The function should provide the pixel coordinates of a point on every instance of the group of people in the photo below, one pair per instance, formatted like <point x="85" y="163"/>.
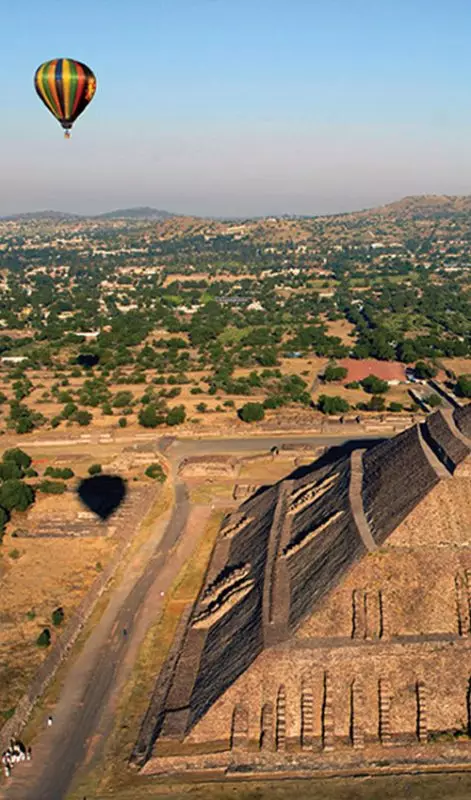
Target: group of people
<point x="15" y="753"/>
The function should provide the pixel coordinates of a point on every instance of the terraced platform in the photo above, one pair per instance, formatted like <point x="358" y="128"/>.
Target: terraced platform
<point x="334" y="617"/>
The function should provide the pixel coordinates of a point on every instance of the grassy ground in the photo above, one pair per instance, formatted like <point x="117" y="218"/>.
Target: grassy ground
<point x="395" y="787"/>
<point x="113" y="772"/>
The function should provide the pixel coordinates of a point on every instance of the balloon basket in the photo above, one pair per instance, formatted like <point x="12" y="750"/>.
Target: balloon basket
<point x="67" y="135"/>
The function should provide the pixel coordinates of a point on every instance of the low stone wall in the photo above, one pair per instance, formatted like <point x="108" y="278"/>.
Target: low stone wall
<point x="57" y="654"/>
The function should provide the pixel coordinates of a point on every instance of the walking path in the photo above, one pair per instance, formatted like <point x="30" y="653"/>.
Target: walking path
<point x="61" y="748"/>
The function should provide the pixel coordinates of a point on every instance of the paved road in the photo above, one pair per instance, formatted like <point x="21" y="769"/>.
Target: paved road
<point x="62" y="748"/>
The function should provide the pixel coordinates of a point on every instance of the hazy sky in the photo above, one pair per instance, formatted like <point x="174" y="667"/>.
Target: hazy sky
<point x="239" y="106"/>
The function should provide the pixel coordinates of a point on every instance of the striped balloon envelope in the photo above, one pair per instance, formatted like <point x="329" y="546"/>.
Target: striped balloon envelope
<point x="66" y="87"/>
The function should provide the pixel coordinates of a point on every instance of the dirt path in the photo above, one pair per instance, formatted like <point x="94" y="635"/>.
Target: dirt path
<point x="60" y="749"/>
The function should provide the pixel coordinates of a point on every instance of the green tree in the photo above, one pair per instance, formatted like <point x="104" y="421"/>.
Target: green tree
<point x="374" y="385"/>
<point x="434" y="400"/>
<point x="252" y="412"/>
<point x="83" y="417"/>
<point x="156" y="472"/>
<point x="176" y="416"/>
<point x="18" y="456"/>
<point x="329" y="404"/>
<point x="15" y="494"/>
<point x="334" y="373"/>
<point x="424" y="371"/>
<point x="94" y="469"/>
<point x="149" y="417"/>
<point x="463" y="386"/>
<point x="122" y="422"/>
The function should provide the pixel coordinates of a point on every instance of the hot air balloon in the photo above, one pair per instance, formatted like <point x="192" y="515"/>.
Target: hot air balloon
<point x="66" y="87"/>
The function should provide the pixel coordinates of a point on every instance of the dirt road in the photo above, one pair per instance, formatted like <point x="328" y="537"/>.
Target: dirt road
<point x="61" y="748"/>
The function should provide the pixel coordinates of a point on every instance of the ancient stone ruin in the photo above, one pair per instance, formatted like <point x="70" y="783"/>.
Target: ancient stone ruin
<point x="334" y="621"/>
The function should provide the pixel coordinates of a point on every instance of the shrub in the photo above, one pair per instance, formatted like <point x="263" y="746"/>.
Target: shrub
<point x="57" y="472"/>
<point x="353" y="385"/>
<point x="51" y="487"/>
<point x="156" y="472"/>
<point x="252" y="412"/>
<point x="202" y="407"/>
<point x="434" y="400"/>
<point x="58" y="616"/>
<point x="94" y="469"/>
<point x="14" y="554"/>
<point x="395" y="407"/>
<point x="122" y="422"/>
<point x="44" y="638"/>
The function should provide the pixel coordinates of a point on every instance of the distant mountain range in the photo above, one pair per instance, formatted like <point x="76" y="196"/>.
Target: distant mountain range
<point x="141" y="212"/>
<point x="409" y="208"/>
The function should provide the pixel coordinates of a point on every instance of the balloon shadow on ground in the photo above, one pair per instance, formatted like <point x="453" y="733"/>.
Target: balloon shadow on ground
<point x="87" y="360"/>
<point x="102" y="494"/>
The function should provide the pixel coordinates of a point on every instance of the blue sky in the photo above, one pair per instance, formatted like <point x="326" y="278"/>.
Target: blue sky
<point x="239" y="106"/>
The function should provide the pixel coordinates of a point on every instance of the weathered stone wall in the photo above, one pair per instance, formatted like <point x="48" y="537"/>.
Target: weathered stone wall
<point x="448" y="448"/>
<point x="396" y="476"/>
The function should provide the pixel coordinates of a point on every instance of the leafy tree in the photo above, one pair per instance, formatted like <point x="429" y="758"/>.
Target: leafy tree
<point x="176" y="416"/>
<point x="424" y="371"/>
<point x="156" y="472"/>
<point x="202" y="407"/>
<point x="94" y="469"/>
<point x="377" y="403"/>
<point x="334" y="373"/>
<point x="374" y="385"/>
<point x="9" y="470"/>
<point x="14" y="494"/>
<point x="434" y="400"/>
<point x="122" y="399"/>
<point x="252" y="412"/>
<point x="18" y="456"/>
<point x="69" y="410"/>
<point x="83" y="417"/>
<point x="149" y="417"/>
<point x="463" y="386"/>
<point x="332" y="404"/>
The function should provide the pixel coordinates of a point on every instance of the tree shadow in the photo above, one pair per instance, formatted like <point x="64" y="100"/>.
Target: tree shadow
<point x="102" y="494"/>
